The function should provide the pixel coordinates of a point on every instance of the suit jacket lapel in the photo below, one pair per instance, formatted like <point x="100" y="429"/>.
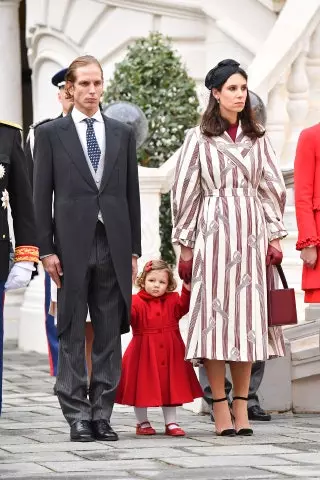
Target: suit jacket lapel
<point x="71" y="142"/>
<point x="112" y="148"/>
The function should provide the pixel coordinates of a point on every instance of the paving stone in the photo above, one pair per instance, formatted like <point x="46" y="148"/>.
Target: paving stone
<point x="311" y="458"/>
<point x="297" y="471"/>
<point x="231" y="460"/>
<point x="17" y="440"/>
<point x="99" y="475"/>
<point x="219" y="473"/>
<point x="35" y="424"/>
<point x="240" y="450"/>
<point x="21" y="468"/>
<point x="254" y="440"/>
<point x="154" y="452"/>
<point x="52" y="437"/>
<point x="37" y="457"/>
<point x="85" y="466"/>
<point x="56" y="447"/>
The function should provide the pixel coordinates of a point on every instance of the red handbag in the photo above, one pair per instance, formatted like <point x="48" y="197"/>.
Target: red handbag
<point x="281" y="302"/>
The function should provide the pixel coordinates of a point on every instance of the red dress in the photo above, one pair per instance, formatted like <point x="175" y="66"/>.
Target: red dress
<point x="307" y="203"/>
<point x="154" y="372"/>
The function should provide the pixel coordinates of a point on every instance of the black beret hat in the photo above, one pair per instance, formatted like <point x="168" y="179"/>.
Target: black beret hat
<point x="58" y="79"/>
<point x="220" y="73"/>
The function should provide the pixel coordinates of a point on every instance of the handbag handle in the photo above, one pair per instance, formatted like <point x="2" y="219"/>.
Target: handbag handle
<point x="281" y="275"/>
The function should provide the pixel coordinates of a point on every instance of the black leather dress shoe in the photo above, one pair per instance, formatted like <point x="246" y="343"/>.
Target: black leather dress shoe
<point x="102" y="431"/>
<point x="257" y="413"/>
<point x="81" y="431"/>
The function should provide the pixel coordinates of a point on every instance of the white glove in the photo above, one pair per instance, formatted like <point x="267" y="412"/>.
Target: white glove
<point x="54" y="291"/>
<point x="19" y="276"/>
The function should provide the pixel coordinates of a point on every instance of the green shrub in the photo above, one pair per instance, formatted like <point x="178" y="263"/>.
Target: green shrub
<point x="153" y="77"/>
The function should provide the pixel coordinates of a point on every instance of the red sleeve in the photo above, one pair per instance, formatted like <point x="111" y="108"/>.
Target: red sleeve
<point x="304" y="176"/>
<point x="183" y="303"/>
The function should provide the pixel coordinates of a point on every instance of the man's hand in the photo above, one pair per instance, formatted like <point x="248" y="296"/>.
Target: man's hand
<point x="134" y="269"/>
<point x="19" y="276"/>
<point x="52" y="265"/>
<point x="309" y="256"/>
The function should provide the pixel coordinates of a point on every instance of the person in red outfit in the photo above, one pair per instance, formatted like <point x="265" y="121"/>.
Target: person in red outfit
<point x="307" y="203"/>
<point x="154" y="372"/>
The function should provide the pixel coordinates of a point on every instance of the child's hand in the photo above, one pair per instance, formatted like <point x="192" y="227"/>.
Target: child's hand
<point x="187" y="286"/>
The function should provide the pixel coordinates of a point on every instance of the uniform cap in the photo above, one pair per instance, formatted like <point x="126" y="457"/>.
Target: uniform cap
<point x="58" y="80"/>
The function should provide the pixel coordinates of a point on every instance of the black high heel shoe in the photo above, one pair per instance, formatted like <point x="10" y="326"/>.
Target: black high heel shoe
<point x="244" y="432"/>
<point x="228" y="432"/>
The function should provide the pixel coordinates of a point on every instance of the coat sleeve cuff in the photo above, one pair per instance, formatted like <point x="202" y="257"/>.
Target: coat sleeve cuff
<point x="307" y="242"/>
<point x="183" y="237"/>
<point x="26" y="253"/>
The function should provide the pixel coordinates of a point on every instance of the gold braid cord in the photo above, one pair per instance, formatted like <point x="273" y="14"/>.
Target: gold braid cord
<point x="26" y="253"/>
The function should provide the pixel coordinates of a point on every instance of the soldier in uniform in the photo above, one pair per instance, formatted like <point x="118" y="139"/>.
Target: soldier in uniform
<point x="58" y="80"/>
<point x="15" y="189"/>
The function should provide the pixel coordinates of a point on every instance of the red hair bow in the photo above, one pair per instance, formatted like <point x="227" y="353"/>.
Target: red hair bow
<point x="148" y="266"/>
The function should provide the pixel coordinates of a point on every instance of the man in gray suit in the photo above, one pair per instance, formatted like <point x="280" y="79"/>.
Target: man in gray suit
<point x="87" y="162"/>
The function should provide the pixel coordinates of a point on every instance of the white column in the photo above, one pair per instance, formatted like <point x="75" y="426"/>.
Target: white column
<point x="10" y="72"/>
<point x="297" y="105"/>
<point x="150" y="187"/>
<point x="313" y="72"/>
<point x="277" y="117"/>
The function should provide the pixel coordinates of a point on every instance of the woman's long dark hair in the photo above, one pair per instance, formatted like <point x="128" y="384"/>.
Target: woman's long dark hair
<point x="213" y="124"/>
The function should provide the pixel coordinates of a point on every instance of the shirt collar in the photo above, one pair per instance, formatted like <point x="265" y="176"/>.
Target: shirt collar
<point x="78" y="116"/>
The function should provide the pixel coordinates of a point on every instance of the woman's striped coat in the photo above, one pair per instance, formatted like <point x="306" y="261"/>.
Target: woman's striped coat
<point x="228" y="200"/>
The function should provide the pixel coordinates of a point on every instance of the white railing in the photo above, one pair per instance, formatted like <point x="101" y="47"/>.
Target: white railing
<point x="286" y="74"/>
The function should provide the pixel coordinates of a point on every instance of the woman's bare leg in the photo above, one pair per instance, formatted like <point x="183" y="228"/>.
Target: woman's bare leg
<point x="216" y="375"/>
<point x="240" y="372"/>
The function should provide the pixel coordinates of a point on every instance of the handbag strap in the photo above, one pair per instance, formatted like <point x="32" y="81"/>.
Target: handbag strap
<point x="282" y="276"/>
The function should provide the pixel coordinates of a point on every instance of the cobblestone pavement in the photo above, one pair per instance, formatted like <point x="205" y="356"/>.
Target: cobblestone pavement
<point x="34" y="440"/>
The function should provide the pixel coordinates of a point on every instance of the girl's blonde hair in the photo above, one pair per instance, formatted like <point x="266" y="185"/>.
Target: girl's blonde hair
<point x="156" y="265"/>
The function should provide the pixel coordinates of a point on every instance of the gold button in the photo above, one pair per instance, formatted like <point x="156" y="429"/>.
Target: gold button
<point x="3" y="236"/>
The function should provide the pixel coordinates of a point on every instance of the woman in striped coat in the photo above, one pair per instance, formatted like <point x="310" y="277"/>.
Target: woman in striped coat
<point x="228" y="200"/>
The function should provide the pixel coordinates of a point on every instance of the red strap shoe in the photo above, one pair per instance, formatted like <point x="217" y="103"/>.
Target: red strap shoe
<point x="174" y="432"/>
<point x="145" y="429"/>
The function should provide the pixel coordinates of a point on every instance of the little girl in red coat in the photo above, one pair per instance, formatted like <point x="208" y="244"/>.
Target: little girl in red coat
<point x="154" y="372"/>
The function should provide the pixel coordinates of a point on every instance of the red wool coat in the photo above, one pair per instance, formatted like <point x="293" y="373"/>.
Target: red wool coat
<point x="154" y="372"/>
<point x="307" y="200"/>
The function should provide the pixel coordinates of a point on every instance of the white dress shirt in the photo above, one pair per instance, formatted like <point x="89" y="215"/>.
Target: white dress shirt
<point x="100" y="133"/>
<point x="99" y="130"/>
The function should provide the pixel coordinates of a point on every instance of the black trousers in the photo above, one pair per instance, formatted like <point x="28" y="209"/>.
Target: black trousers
<point x="100" y="294"/>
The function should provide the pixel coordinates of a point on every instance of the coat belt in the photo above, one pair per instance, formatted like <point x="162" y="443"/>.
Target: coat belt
<point x="167" y="328"/>
<point x="233" y="192"/>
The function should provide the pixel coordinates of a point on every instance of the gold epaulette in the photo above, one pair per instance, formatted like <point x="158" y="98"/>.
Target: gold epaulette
<point x="26" y="253"/>
<point x="11" y="124"/>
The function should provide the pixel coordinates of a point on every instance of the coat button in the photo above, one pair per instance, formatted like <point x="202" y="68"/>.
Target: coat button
<point x="162" y="363"/>
<point x="3" y="236"/>
<point x="158" y="313"/>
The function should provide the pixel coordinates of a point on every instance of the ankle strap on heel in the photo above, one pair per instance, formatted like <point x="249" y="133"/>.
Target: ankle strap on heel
<point x="219" y="400"/>
<point x="241" y="398"/>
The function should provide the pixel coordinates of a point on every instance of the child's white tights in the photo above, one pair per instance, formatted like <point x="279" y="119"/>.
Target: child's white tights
<point x="169" y="414"/>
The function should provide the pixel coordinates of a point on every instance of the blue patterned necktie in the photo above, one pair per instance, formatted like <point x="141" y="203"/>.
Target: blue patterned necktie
<point x="94" y="151"/>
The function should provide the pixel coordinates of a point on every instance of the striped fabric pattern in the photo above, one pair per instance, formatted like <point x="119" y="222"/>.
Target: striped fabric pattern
<point x="228" y="201"/>
<point x="100" y="294"/>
